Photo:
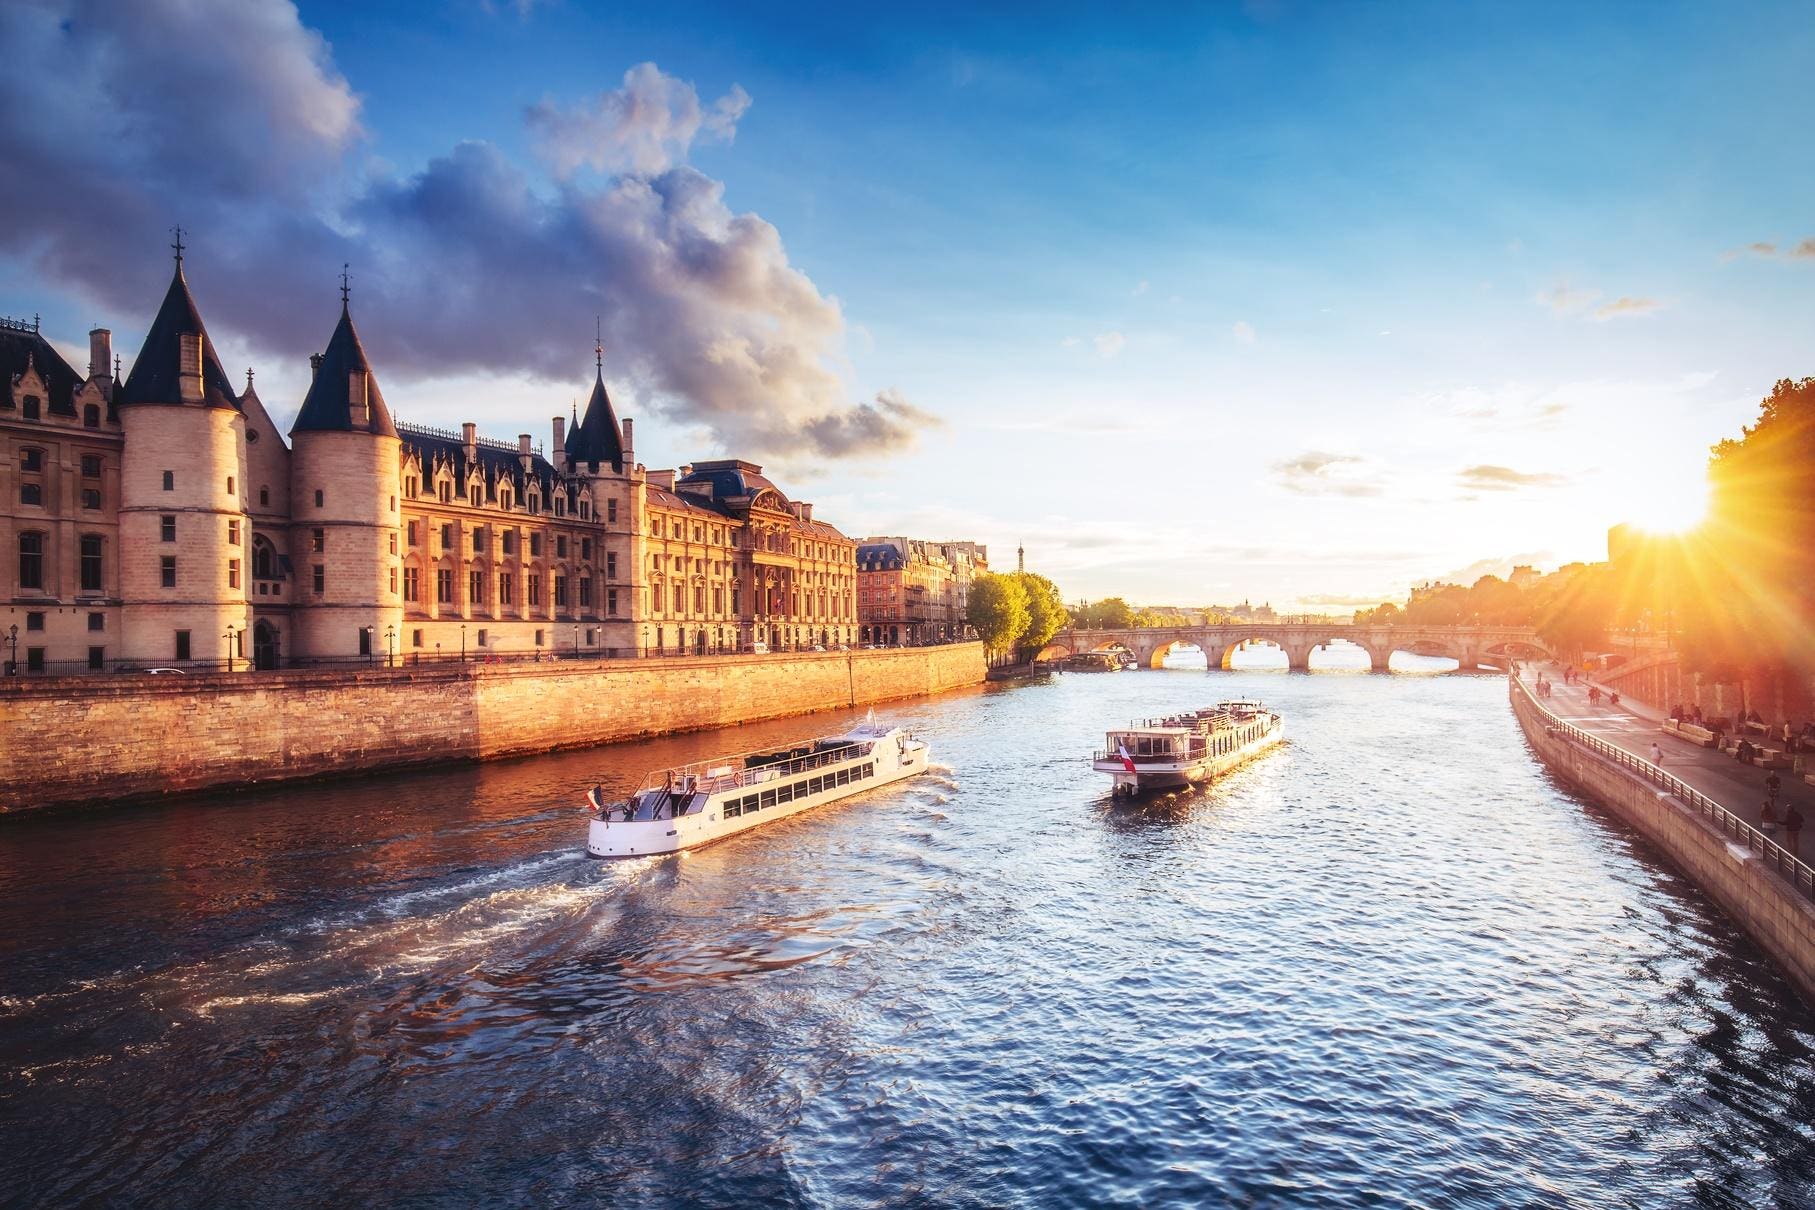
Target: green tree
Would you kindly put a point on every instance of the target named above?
(1112, 613)
(1046, 612)
(997, 610)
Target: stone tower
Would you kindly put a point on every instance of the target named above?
(345, 461)
(597, 452)
(184, 536)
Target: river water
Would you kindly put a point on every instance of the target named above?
(1391, 963)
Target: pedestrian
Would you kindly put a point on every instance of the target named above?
(1767, 819)
(1657, 754)
(1792, 827)
(1774, 784)
(1614, 698)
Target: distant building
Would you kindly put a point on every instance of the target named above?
(912, 592)
(1524, 576)
(164, 520)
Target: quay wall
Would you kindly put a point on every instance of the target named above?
(90, 739)
(1779, 918)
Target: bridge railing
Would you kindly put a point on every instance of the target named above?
(1791, 868)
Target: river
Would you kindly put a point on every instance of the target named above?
(1392, 963)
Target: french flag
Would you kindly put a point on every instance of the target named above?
(1121, 747)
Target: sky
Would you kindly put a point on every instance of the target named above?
(1272, 301)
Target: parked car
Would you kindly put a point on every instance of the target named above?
(163, 671)
(759, 649)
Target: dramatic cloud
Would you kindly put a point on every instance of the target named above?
(1109, 344)
(470, 266)
(646, 127)
(1315, 473)
(1625, 306)
(1243, 331)
(1489, 478)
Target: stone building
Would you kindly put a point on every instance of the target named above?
(913, 592)
(165, 521)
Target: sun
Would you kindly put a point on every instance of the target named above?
(1666, 505)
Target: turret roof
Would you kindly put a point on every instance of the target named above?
(22, 345)
(598, 438)
(157, 369)
(328, 407)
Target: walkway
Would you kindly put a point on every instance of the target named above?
(1633, 726)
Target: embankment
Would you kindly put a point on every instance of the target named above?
(1759, 886)
(92, 739)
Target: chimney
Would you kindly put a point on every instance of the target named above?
(806, 512)
(662, 479)
(469, 441)
(189, 367)
(100, 353)
(314, 365)
(524, 454)
(629, 456)
(560, 445)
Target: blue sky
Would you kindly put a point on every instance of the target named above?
(1280, 301)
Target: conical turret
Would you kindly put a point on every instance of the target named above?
(177, 363)
(344, 397)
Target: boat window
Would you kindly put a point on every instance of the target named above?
(844, 777)
(768, 798)
(732, 810)
(815, 785)
(869, 770)
(785, 794)
(749, 802)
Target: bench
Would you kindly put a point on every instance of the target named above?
(1771, 758)
(1690, 732)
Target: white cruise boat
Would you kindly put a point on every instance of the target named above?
(697, 804)
(1185, 749)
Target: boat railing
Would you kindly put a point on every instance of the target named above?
(715, 775)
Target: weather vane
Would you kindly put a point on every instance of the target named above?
(598, 344)
(177, 243)
(345, 285)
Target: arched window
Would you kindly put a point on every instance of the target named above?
(264, 558)
(31, 560)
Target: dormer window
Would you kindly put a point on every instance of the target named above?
(477, 497)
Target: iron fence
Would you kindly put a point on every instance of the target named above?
(1774, 855)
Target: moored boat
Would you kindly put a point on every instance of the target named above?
(696, 804)
(1093, 661)
(1184, 749)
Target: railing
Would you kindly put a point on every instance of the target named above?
(1791, 868)
(490, 443)
(705, 782)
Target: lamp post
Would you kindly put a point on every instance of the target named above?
(229, 637)
(367, 632)
(12, 663)
(576, 642)
(390, 646)
(463, 642)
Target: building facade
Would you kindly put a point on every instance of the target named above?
(913, 592)
(164, 521)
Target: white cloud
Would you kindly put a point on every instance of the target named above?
(645, 127)
(1109, 344)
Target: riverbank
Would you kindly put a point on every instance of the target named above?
(89, 740)
(1754, 881)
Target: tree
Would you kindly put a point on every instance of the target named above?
(1575, 617)
(1112, 613)
(997, 610)
(1045, 610)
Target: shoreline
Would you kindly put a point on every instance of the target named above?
(117, 741)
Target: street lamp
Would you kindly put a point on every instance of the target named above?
(390, 646)
(463, 642)
(367, 632)
(229, 637)
(576, 642)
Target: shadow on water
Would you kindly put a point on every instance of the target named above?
(1388, 963)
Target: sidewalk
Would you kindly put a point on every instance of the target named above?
(1634, 727)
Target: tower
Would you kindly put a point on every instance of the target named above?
(184, 536)
(345, 460)
(1020, 558)
(597, 451)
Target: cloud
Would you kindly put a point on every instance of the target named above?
(645, 127)
(1566, 299)
(1109, 343)
(471, 265)
(1334, 600)
(1316, 473)
(1803, 250)
(1625, 306)
(1489, 478)
(1243, 331)
(1141, 288)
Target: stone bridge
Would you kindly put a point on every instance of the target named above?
(1469, 646)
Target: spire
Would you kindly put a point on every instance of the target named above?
(165, 360)
(346, 287)
(598, 346)
(176, 244)
(598, 438)
(344, 396)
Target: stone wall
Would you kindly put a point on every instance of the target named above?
(1775, 915)
(91, 739)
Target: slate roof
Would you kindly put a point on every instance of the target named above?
(20, 346)
(879, 556)
(598, 438)
(328, 407)
(731, 478)
(155, 372)
(661, 497)
(495, 463)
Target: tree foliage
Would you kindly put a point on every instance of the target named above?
(1111, 613)
(997, 610)
(1046, 612)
